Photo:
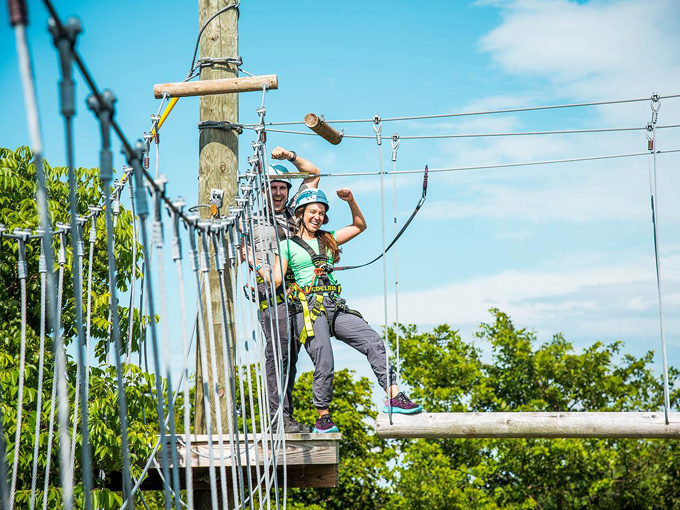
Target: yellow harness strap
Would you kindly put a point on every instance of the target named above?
(310, 316)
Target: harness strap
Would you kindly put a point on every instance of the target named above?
(310, 316)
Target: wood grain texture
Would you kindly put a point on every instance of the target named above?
(217, 86)
(325, 131)
(217, 168)
(530, 425)
(301, 449)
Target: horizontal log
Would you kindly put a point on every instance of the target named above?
(325, 131)
(530, 425)
(211, 87)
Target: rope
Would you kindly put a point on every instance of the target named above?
(42, 269)
(655, 105)
(177, 258)
(158, 241)
(483, 112)
(377, 127)
(395, 148)
(134, 158)
(501, 165)
(22, 275)
(478, 135)
(202, 354)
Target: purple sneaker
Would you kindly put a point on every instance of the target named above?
(401, 404)
(325, 425)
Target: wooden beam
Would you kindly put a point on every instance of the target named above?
(530, 425)
(325, 475)
(217, 169)
(301, 449)
(311, 461)
(219, 86)
(325, 131)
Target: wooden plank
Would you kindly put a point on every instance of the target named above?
(301, 449)
(311, 461)
(213, 87)
(530, 425)
(325, 131)
(297, 476)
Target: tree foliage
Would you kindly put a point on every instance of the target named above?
(18, 209)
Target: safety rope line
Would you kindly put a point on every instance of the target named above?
(22, 275)
(47, 278)
(64, 40)
(651, 136)
(482, 112)
(212, 376)
(61, 260)
(377, 128)
(177, 258)
(263, 177)
(42, 269)
(134, 158)
(472, 135)
(395, 147)
(157, 233)
(501, 165)
(203, 356)
(229, 367)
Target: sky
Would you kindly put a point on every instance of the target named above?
(562, 248)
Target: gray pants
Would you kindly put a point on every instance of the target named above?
(289, 358)
(352, 330)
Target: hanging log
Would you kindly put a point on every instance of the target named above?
(325, 131)
(219, 86)
(530, 425)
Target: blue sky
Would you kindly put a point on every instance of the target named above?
(563, 248)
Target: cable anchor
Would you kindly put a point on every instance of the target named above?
(22, 266)
(377, 127)
(395, 145)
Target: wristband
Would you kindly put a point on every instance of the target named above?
(258, 267)
(294, 156)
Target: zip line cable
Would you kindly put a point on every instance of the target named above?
(481, 135)
(482, 112)
(500, 165)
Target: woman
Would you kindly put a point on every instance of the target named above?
(322, 313)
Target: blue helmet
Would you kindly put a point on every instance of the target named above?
(275, 171)
(312, 196)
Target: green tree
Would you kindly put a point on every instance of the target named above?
(448, 375)
(18, 209)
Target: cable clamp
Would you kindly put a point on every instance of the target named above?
(42, 259)
(22, 237)
(377, 127)
(395, 145)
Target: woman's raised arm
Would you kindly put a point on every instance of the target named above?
(358, 221)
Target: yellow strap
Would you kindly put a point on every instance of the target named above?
(310, 316)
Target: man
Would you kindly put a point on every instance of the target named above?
(275, 321)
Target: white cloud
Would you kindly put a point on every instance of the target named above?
(611, 296)
(594, 50)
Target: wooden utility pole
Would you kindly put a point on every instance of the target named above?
(218, 169)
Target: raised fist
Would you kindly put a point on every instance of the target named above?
(345, 194)
(281, 153)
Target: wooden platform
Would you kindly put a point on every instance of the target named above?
(311, 460)
(650, 425)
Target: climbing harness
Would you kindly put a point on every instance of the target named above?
(420, 203)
